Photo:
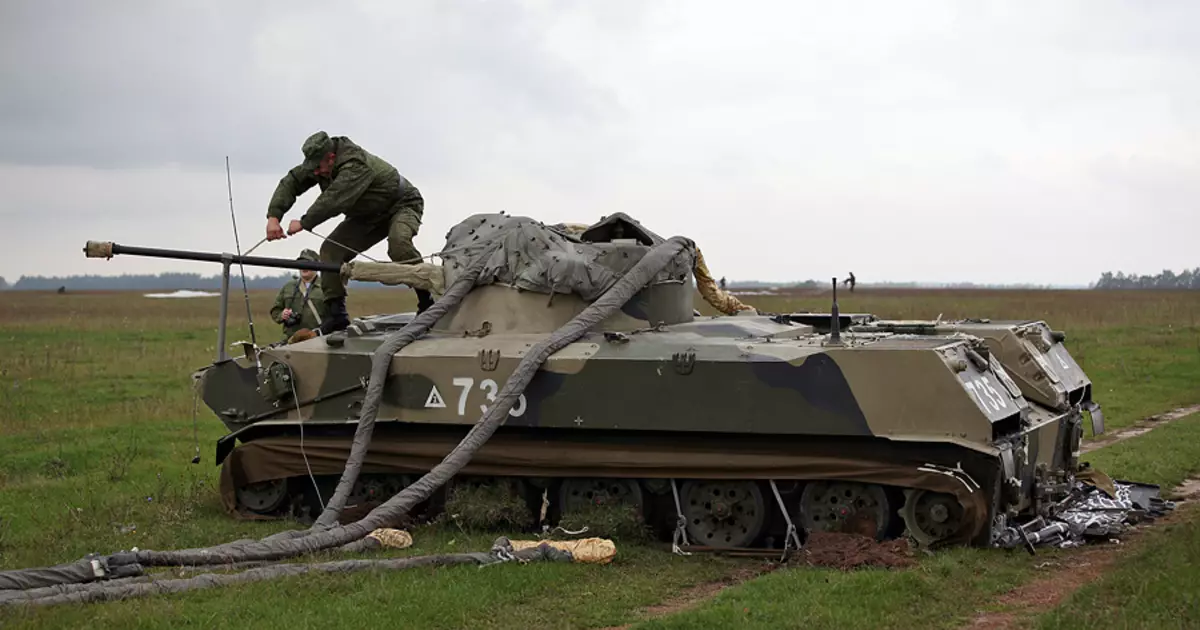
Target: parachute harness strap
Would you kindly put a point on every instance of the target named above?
(791, 540)
(680, 535)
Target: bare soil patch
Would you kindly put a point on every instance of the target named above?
(836, 550)
(1141, 427)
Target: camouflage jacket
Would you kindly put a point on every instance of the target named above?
(360, 185)
(292, 296)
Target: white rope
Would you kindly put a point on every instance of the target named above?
(300, 421)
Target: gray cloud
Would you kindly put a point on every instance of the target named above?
(922, 140)
(136, 84)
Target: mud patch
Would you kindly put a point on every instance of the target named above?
(1141, 427)
(837, 550)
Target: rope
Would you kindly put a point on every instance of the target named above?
(355, 252)
(300, 421)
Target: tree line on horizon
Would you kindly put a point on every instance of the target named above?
(1187, 279)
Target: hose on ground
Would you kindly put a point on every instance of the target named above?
(287, 545)
(502, 551)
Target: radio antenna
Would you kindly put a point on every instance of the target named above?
(237, 242)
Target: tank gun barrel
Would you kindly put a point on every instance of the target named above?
(108, 249)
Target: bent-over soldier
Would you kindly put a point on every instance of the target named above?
(378, 203)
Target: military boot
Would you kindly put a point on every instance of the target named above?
(338, 318)
(424, 300)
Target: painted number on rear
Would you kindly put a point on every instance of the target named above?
(487, 385)
(986, 394)
(1058, 356)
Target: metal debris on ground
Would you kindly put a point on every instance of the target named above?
(1088, 513)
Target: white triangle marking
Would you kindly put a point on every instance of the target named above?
(435, 399)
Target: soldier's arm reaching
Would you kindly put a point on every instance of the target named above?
(353, 179)
(295, 183)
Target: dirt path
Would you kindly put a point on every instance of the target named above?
(1060, 578)
(1063, 576)
(1141, 427)
(696, 595)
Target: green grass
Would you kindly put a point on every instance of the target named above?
(501, 596)
(97, 433)
(1157, 587)
(1165, 456)
(943, 591)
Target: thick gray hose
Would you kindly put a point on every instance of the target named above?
(89, 569)
(16, 597)
(391, 511)
(381, 362)
(279, 546)
(502, 551)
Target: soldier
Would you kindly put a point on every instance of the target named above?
(851, 281)
(300, 302)
(376, 200)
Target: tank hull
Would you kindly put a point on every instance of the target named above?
(880, 419)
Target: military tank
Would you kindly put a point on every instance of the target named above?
(735, 430)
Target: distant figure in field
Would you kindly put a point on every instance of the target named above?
(722, 283)
(62, 290)
(850, 281)
(300, 303)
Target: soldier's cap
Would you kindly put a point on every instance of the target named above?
(315, 148)
(308, 254)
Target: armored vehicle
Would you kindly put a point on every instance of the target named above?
(733, 430)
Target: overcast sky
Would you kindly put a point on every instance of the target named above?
(933, 141)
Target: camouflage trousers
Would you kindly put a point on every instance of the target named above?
(398, 227)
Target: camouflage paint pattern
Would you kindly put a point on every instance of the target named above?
(986, 412)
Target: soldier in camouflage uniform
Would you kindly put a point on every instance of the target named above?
(300, 303)
(376, 200)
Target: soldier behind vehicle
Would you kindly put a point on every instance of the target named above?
(378, 203)
(300, 303)
(850, 281)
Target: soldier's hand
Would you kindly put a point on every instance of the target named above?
(274, 230)
(287, 313)
(294, 227)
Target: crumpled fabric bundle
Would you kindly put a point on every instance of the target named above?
(389, 538)
(584, 550)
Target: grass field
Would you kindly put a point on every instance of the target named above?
(96, 436)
